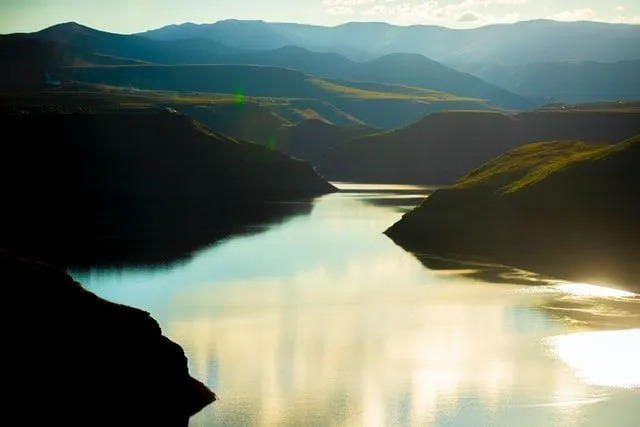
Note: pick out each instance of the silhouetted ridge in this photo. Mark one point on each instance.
(76, 179)
(106, 363)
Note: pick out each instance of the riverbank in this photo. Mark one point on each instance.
(565, 209)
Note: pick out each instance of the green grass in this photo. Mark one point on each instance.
(529, 164)
(355, 90)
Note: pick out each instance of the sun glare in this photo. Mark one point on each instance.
(588, 290)
(604, 358)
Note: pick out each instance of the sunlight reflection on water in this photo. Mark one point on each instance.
(322, 320)
(585, 289)
(606, 358)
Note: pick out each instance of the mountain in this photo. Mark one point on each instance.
(498, 54)
(520, 43)
(26, 62)
(584, 81)
(244, 35)
(133, 47)
(378, 105)
(397, 68)
(568, 209)
(113, 360)
(76, 186)
(442, 147)
(403, 69)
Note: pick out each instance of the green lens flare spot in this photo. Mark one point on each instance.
(239, 97)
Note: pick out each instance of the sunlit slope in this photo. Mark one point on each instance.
(379, 105)
(396, 68)
(302, 128)
(442, 147)
(564, 208)
(248, 80)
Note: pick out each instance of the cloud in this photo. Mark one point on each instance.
(457, 13)
(346, 2)
(491, 2)
(620, 8)
(340, 10)
(468, 17)
(628, 20)
(575, 15)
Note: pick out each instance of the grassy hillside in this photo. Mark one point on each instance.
(70, 180)
(379, 105)
(562, 208)
(442, 147)
(301, 128)
(249, 80)
(191, 48)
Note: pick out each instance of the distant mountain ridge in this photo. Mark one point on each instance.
(579, 81)
(500, 54)
(411, 70)
(518, 43)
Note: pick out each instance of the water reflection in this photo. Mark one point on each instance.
(322, 320)
(176, 238)
(607, 358)
(588, 290)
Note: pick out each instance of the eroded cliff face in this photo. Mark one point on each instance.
(77, 359)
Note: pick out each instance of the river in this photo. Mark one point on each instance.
(321, 320)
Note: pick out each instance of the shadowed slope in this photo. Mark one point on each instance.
(102, 363)
(75, 179)
(442, 147)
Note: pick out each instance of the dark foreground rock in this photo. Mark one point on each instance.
(76, 359)
(91, 181)
(566, 209)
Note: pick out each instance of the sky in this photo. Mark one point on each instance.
(129, 16)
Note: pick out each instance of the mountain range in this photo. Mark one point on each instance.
(495, 53)
(507, 56)
(506, 44)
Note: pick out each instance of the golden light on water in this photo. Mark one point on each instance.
(321, 320)
(604, 358)
(588, 290)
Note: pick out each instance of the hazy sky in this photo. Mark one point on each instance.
(126, 16)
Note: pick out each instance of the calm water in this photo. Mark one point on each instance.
(322, 320)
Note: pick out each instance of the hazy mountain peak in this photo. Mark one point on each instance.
(71, 26)
(400, 58)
